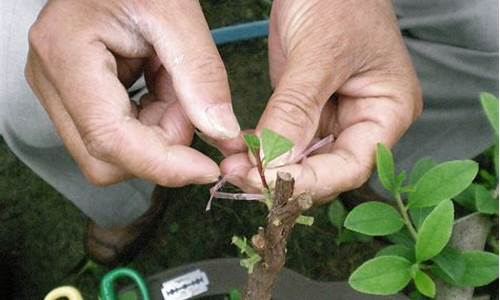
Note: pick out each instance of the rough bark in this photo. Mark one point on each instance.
(270, 242)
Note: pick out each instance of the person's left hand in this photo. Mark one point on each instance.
(318, 48)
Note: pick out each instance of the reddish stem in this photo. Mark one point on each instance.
(260, 168)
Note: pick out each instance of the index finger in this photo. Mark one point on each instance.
(100, 107)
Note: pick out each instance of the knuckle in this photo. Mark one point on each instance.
(207, 68)
(37, 36)
(97, 176)
(103, 142)
(295, 107)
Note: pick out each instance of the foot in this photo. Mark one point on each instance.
(115, 246)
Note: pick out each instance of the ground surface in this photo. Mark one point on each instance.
(41, 233)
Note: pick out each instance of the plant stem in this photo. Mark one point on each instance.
(404, 212)
(260, 168)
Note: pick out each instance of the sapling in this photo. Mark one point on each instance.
(422, 222)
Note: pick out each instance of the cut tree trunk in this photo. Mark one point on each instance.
(270, 242)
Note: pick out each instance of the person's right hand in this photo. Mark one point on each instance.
(85, 53)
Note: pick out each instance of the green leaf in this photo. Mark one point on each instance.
(385, 167)
(402, 237)
(467, 198)
(490, 107)
(435, 231)
(305, 220)
(384, 275)
(418, 215)
(443, 181)
(416, 295)
(485, 203)
(495, 157)
(451, 262)
(337, 213)
(420, 168)
(347, 236)
(424, 284)
(397, 250)
(481, 268)
(253, 143)
(374, 218)
(274, 145)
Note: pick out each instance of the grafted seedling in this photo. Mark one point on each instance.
(266, 254)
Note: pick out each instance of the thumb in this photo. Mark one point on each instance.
(295, 106)
(181, 38)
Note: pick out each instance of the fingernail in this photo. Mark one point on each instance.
(207, 179)
(223, 121)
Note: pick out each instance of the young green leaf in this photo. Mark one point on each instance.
(485, 202)
(467, 198)
(418, 215)
(384, 275)
(451, 262)
(435, 231)
(443, 181)
(420, 168)
(402, 237)
(336, 214)
(398, 250)
(305, 220)
(490, 107)
(374, 218)
(385, 167)
(424, 284)
(481, 268)
(252, 142)
(274, 145)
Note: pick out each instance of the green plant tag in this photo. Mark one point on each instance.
(490, 107)
(274, 145)
(235, 295)
(336, 214)
(253, 143)
(384, 275)
(374, 218)
(443, 181)
(481, 268)
(485, 202)
(451, 262)
(435, 231)
(418, 215)
(385, 167)
(424, 284)
(398, 250)
(420, 168)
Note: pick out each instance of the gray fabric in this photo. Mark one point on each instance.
(29, 133)
(453, 43)
(454, 47)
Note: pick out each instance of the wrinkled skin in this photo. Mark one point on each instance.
(84, 53)
(318, 48)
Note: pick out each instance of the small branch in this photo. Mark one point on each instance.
(406, 218)
(260, 168)
(270, 243)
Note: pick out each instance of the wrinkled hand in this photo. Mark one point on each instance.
(85, 53)
(318, 48)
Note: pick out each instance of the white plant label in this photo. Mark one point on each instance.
(185, 286)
